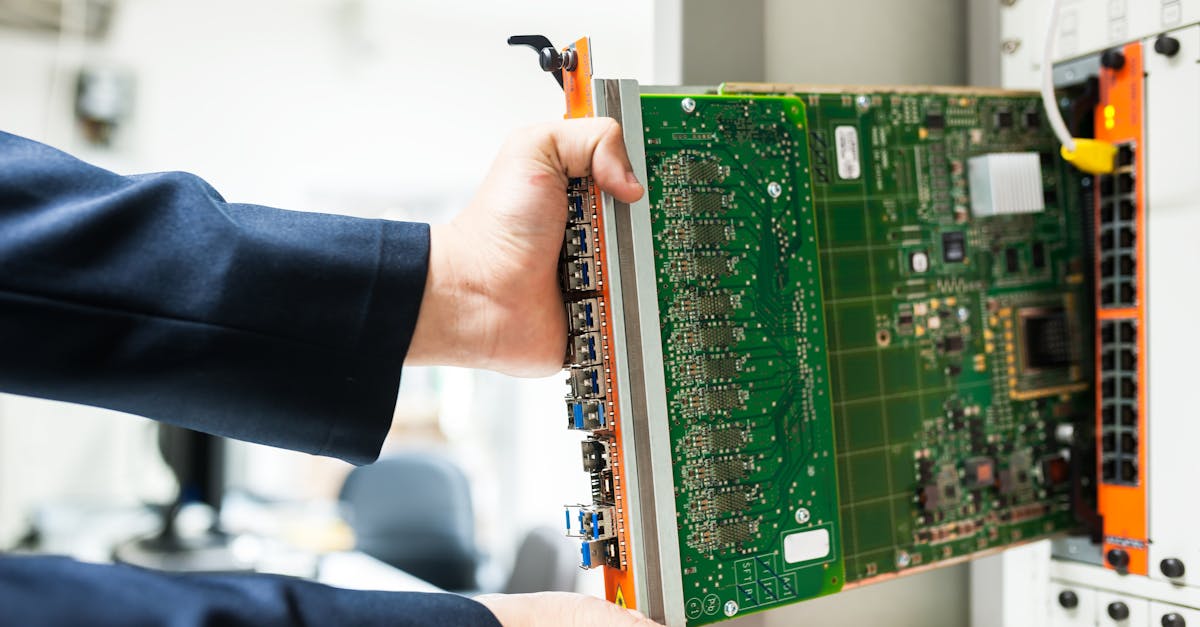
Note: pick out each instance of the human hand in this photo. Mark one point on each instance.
(560, 609)
(492, 298)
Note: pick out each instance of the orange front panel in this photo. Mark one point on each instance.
(1119, 121)
(618, 583)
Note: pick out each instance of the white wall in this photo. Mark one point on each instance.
(868, 42)
(366, 107)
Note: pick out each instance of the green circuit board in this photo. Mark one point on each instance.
(745, 356)
(935, 363)
(950, 376)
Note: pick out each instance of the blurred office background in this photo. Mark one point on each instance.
(376, 108)
(365, 107)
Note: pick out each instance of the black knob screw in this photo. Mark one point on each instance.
(1171, 567)
(1173, 620)
(1166, 45)
(552, 60)
(1118, 610)
(1112, 59)
(1068, 599)
(1118, 558)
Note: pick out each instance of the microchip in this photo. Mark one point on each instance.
(1049, 196)
(944, 491)
(1045, 339)
(954, 246)
(904, 319)
(935, 121)
(980, 472)
(952, 344)
(1012, 260)
(1039, 255)
(1004, 119)
(1056, 470)
(1018, 476)
(1033, 119)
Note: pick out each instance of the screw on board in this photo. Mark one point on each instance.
(803, 515)
(731, 608)
(688, 105)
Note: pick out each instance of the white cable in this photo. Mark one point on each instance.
(1048, 100)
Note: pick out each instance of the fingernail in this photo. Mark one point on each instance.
(632, 178)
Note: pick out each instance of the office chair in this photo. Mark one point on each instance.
(413, 511)
(545, 562)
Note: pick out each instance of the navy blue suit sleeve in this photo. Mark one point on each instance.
(52, 591)
(152, 295)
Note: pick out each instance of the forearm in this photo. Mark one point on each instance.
(152, 295)
(60, 591)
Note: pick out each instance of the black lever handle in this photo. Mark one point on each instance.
(549, 58)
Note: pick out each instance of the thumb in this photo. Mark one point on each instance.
(595, 146)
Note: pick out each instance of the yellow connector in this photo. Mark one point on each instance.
(1093, 156)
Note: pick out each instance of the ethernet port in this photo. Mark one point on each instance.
(1106, 268)
(1108, 415)
(1106, 212)
(1128, 442)
(1109, 442)
(1129, 415)
(1128, 360)
(1125, 182)
(1124, 155)
(1127, 294)
(1108, 470)
(1107, 240)
(1108, 360)
(1126, 209)
(1108, 388)
(1128, 387)
(1126, 265)
(1126, 237)
(1107, 333)
(1108, 295)
(1127, 331)
(1128, 471)
(1106, 185)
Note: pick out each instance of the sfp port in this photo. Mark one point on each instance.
(585, 349)
(579, 240)
(591, 522)
(587, 382)
(603, 490)
(595, 455)
(586, 415)
(599, 553)
(581, 275)
(583, 316)
(579, 207)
